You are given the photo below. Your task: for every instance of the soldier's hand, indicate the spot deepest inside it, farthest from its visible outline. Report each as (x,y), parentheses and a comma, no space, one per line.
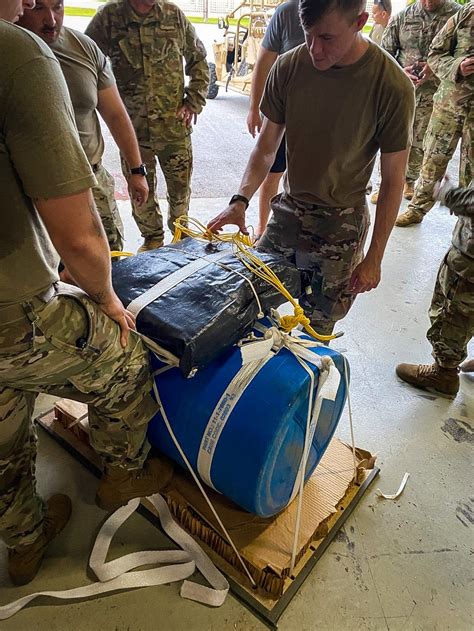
(366,276)
(186,115)
(467,67)
(408,70)
(425,74)
(232,215)
(254,122)
(138,189)
(112,307)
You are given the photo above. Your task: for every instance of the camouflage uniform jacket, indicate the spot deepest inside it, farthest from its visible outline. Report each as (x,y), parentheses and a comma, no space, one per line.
(409,34)
(147,59)
(451,45)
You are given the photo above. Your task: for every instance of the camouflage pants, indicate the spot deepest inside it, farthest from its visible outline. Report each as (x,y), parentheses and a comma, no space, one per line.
(446,127)
(65,346)
(452,309)
(104,197)
(176,162)
(424,107)
(325,244)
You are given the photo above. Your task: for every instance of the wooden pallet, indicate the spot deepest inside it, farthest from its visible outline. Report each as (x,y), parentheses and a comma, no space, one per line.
(330,496)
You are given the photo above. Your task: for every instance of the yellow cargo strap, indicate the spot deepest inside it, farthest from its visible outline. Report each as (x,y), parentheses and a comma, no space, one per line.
(242,243)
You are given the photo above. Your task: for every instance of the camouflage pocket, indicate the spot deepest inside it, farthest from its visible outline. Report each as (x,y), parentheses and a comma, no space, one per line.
(65,323)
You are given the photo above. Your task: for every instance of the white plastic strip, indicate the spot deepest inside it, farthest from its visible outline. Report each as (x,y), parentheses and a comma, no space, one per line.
(328,386)
(401,488)
(172,280)
(221,415)
(116,575)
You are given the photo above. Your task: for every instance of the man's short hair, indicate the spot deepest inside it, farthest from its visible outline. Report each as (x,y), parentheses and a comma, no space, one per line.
(313,10)
(385,5)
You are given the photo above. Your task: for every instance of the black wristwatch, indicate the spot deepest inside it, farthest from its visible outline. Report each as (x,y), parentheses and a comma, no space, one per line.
(141,170)
(239,198)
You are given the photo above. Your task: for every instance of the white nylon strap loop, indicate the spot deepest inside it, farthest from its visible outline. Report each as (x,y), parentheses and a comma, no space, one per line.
(116,575)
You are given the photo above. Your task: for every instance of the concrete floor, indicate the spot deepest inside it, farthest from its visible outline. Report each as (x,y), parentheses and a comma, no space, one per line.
(396,565)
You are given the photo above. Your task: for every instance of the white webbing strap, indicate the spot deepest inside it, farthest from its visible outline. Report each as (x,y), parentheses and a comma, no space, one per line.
(329,380)
(172,280)
(221,414)
(116,575)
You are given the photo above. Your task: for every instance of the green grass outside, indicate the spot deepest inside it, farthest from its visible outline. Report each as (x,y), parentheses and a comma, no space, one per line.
(84,12)
(88,13)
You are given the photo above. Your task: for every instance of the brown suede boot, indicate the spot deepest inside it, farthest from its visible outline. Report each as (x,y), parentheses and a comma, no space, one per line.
(408,191)
(408,218)
(25,561)
(118,485)
(432,377)
(467,366)
(150,243)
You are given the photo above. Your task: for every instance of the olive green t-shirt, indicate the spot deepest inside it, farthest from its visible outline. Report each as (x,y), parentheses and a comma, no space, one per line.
(86,70)
(40,158)
(336,121)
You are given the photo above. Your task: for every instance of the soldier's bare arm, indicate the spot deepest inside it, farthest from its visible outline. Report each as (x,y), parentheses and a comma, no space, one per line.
(266,59)
(196,68)
(367,275)
(76,232)
(112,110)
(258,166)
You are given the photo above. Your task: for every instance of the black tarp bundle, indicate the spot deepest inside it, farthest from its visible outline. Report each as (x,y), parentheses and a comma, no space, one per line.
(204,314)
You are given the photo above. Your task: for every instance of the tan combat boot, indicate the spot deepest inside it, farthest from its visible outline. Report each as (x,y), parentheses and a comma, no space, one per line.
(467,366)
(432,377)
(118,485)
(409,217)
(25,561)
(150,243)
(408,191)
(374,198)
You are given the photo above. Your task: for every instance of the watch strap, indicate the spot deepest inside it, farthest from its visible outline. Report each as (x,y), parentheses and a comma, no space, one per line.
(239,198)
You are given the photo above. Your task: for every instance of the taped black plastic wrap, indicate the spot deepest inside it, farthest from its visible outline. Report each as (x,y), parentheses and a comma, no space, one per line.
(207,312)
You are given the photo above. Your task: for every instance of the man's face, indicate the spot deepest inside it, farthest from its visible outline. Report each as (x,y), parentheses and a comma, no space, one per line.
(142,6)
(45,20)
(378,14)
(431,5)
(12,10)
(331,38)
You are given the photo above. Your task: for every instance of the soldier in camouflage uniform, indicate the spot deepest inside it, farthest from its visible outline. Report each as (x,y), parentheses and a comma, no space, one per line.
(407,38)
(452,306)
(92,89)
(147,41)
(451,58)
(56,338)
(320,222)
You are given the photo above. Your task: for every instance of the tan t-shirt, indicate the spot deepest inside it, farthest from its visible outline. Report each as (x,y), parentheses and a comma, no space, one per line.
(336,121)
(40,158)
(86,70)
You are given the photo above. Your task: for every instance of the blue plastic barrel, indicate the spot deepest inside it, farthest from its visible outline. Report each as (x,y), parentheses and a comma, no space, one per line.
(257,456)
